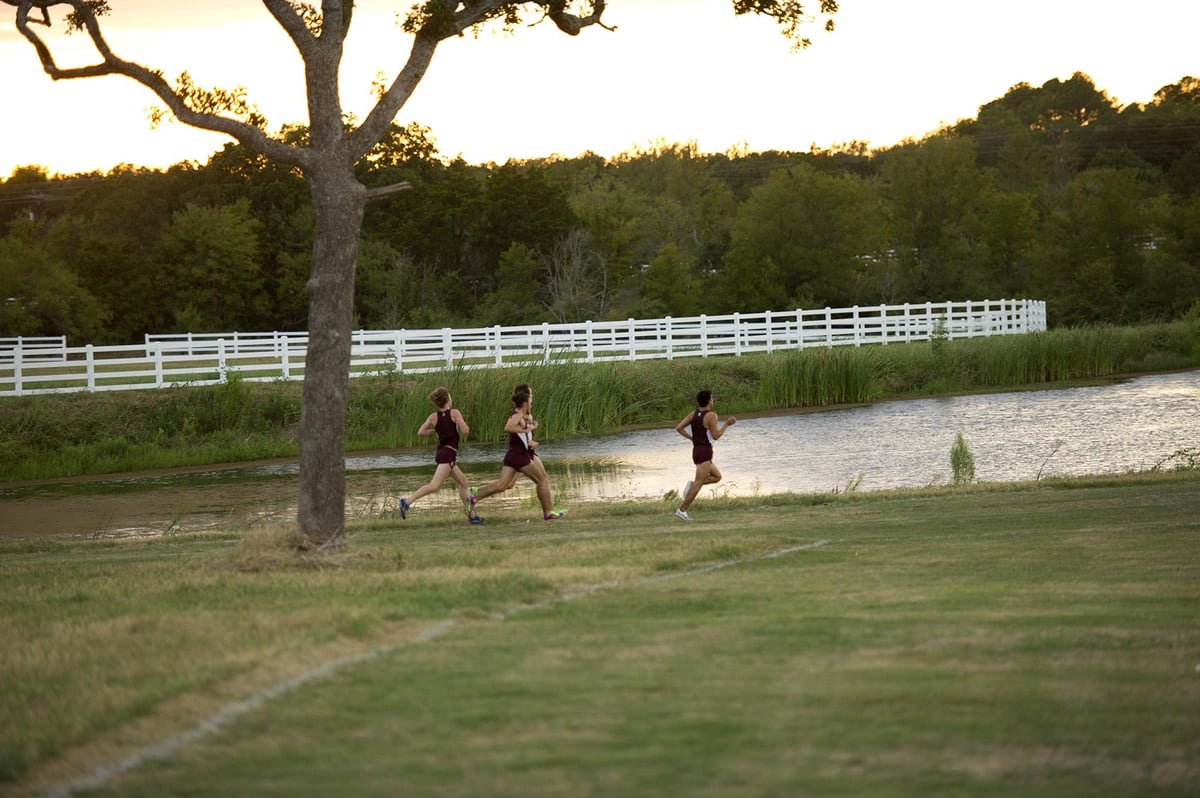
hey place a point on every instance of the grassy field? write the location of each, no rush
(1037, 639)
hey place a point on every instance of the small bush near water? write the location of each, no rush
(79, 434)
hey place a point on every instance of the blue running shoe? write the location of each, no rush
(403, 508)
(476, 519)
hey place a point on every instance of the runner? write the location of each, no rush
(700, 427)
(533, 445)
(448, 424)
(520, 458)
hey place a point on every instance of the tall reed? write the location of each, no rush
(817, 377)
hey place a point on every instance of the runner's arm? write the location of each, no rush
(683, 427)
(710, 421)
(428, 427)
(463, 429)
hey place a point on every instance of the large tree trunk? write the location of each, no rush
(338, 206)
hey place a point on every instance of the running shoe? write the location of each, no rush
(403, 508)
(683, 515)
(554, 515)
(476, 519)
(687, 488)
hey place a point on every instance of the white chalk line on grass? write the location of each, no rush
(232, 712)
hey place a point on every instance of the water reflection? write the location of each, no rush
(1014, 436)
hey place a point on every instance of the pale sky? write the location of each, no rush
(674, 71)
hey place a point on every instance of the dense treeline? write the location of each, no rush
(1052, 192)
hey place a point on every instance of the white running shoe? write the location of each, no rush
(683, 515)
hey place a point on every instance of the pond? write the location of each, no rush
(1128, 426)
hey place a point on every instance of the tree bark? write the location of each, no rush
(338, 201)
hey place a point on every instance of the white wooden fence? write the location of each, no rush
(205, 359)
(49, 347)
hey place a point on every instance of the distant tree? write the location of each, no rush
(519, 205)
(936, 194)
(799, 241)
(39, 295)
(119, 270)
(575, 278)
(1008, 235)
(23, 193)
(212, 256)
(1044, 134)
(1171, 284)
(517, 298)
(667, 286)
(1098, 242)
(328, 162)
(386, 292)
(280, 201)
(615, 215)
(437, 226)
(1166, 133)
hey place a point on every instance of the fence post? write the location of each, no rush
(857, 326)
(883, 322)
(158, 366)
(670, 339)
(221, 376)
(285, 362)
(90, 358)
(17, 369)
(703, 335)
(770, 332)
(632, 340)
(448, 346)
(591, 346)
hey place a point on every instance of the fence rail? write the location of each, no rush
(50, 347)
(208, 358)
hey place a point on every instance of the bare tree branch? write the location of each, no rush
(381, 192)
(292, 20)
(438, 20)
(175, 99)
(572, 24)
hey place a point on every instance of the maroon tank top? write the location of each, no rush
(447, 430)
(699, 431)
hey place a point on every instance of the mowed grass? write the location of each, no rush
(1037, 640)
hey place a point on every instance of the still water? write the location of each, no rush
(1130, 426)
